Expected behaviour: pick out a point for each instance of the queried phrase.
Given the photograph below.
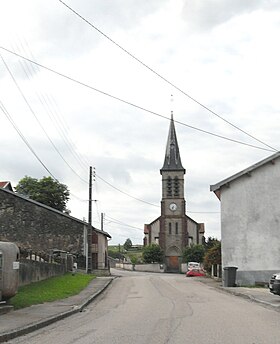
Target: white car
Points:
(193, 265)
(274, 284)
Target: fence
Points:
(216, 271)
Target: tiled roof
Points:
(6, 185)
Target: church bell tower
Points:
(173, 224)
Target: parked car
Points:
(195, 272)
(274, 284)
(193, 265)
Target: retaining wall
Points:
(141, 267)
(33, 271)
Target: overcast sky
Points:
(223, 53)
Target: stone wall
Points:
(33, 271)
(141, 267)
(33, 226)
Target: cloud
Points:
(203, 15)
(229, 65)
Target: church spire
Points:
(172, 161)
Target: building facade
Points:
(173, 230)
(34, 226)
(250, 221)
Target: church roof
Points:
(172, 160)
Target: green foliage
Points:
(211, 242)
(152, 254)
(46, 190)
(133, 259)
(51, 289)
(127, 244)
(213, 256)
(194, 253)
(115, 254)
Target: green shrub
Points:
(194, 253)
(152, 254)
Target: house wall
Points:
(250, 221)
(102, 252)
(31, 225)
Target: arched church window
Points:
(170, 228)
(176, 227)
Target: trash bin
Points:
(229, 277)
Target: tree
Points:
(210, 242)
(115, 254)
(213, 256)
(194, 253)
(152, 254)
(127, 245)
(46, 190)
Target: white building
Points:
(250, 220)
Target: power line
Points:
(38, 121)
(51, 109)
(163, 78)
(8, 116)
(10, 119)
(136, 106)
(152, 204)
(111, 185)
(123, 223)
(203, 212)
(125, 193)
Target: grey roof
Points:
(247, 171)
(172, 160)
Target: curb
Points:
(40, 324)
(252, 298)
(247, 297)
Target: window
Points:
(170, 228)
(176, 227)
(176, 186)
(169, 186)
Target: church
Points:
(173, 230)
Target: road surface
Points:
(143, 308)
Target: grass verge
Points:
(51, 289)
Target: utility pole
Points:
(102, 221)
(89, 234)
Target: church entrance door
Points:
(173, 264)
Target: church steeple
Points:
(172, 160)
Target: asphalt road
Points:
(145, 308)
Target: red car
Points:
(195, 273)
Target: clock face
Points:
(173, 206)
